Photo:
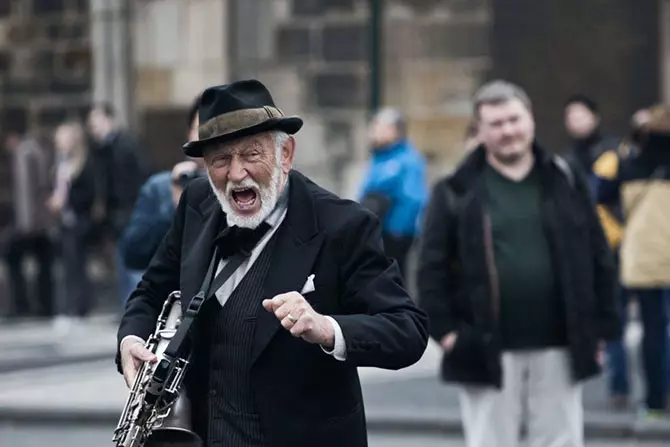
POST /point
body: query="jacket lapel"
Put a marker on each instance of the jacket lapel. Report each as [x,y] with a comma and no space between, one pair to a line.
[200,255]
[296,248]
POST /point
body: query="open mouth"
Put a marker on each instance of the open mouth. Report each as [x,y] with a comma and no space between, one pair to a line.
[244,198]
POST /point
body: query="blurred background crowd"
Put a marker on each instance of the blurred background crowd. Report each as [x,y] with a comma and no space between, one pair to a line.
[98,96]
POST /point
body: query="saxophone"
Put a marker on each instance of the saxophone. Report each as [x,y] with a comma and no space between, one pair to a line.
[156,411]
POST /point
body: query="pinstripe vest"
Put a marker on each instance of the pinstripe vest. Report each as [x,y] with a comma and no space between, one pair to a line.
[233,421]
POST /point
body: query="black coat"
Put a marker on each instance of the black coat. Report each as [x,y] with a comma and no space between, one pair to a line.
[457,285]
[81,194]
[121,169]
[303,396]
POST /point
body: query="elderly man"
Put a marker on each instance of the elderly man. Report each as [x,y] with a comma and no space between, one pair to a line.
[276,348]
[517,279]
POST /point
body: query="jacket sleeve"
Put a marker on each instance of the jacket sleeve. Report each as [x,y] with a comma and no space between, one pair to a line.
[160,279]
[434,265]
[606,171]
[413,196]
[129,175]
[610,323]
[82,193]
[144,231]
[382,326]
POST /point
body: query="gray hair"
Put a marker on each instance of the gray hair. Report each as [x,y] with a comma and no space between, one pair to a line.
[280,138]
[499,92]
[395,118]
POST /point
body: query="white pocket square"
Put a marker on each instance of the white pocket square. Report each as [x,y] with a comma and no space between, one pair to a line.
[309,285]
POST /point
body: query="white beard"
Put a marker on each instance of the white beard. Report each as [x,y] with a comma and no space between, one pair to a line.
[267,195]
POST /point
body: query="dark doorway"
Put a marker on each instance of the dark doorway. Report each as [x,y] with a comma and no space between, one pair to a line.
[607,49]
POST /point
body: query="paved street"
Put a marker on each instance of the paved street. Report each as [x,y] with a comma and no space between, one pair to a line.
[85,398]
[32,343]
[100,436]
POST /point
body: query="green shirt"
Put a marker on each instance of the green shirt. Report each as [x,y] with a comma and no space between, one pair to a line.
[532,314]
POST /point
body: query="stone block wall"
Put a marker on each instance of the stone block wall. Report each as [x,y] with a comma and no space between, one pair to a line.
[314,56]
[45,59]
[435,53]
[608,49]
[45,69]
[179,48]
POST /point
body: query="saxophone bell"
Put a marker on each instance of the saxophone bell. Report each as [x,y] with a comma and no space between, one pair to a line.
[158,413]
[175,428]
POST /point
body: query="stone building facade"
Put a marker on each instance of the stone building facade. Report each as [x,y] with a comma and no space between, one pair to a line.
[314,55]
[45,68]
[610,50]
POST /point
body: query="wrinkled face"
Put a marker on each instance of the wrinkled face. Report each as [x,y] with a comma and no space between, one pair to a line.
[507,130]
[580,122]
[99,124]
[247,176]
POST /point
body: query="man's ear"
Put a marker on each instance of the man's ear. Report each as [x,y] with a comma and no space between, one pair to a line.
[287,154]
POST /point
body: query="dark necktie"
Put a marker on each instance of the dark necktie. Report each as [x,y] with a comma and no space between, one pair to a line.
[232,240]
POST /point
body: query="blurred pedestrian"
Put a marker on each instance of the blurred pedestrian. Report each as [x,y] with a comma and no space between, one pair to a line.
[121,169]
[642,183]
[590,146]
[71,203]
[153,211]
[583,124]
[395,186]
[152,216]
[29,233]
[517,279]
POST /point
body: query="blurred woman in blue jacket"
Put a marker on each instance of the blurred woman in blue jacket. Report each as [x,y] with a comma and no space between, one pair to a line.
[395,185]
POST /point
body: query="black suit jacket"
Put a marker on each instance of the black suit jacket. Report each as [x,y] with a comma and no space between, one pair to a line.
[304,396]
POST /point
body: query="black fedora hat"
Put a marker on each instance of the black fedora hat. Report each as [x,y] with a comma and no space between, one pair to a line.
[231,111]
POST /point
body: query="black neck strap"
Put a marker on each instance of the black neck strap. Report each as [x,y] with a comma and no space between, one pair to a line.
[209,287]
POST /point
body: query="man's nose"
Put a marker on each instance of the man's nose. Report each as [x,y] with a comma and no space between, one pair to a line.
[508,129]
[237,171]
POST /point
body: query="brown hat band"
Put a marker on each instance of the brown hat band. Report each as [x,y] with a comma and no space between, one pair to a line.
[237,120]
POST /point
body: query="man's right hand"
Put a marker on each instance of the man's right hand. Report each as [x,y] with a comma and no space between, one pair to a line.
[133,354]
[448,341]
